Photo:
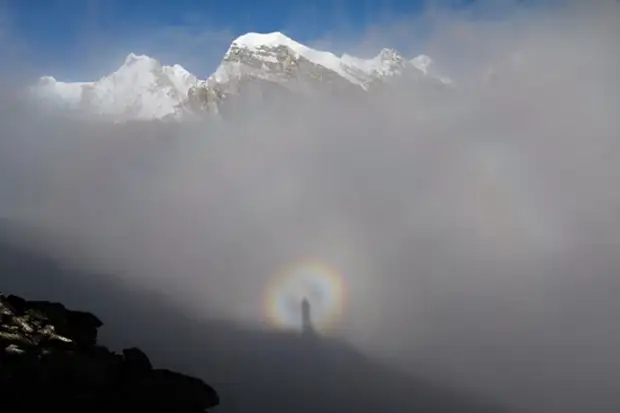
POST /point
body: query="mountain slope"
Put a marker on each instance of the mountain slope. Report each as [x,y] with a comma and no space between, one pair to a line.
[140,89]
[259,61]
[259,54]
[257,66]
[270,49]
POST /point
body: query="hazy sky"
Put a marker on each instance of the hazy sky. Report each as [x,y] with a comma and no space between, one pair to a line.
[476,230]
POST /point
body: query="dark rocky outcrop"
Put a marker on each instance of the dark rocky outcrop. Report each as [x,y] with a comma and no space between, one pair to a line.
[49,358]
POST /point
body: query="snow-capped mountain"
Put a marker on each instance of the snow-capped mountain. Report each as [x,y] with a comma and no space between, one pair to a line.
[268,55]
[140,89]
[262,61]
[256,64]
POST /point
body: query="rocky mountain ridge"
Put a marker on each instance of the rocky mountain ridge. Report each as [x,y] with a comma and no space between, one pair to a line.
[255,65]
[49,358]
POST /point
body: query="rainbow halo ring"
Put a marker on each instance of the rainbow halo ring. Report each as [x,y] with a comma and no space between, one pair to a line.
[320,284]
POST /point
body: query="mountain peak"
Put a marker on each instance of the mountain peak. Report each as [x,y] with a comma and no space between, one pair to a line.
[46,80]
[144,88]
[388,54]
[253,40]
[258,45]
[133,58]
[422,63]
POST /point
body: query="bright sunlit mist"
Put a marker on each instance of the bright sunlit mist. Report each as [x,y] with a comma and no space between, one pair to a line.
[320,284]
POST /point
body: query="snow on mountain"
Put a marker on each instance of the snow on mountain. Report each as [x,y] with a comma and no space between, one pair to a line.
[181,78]
[68,93]
[259,61]
[266,48]
[425,64]
[257,42]
[140,89]
[386,63]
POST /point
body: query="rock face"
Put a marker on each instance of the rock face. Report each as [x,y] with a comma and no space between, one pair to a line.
[273,63]
[49,358]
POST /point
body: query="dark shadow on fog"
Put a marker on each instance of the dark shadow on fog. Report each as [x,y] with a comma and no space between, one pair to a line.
[253,370]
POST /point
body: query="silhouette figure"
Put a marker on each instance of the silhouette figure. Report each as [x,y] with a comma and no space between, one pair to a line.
[306,318]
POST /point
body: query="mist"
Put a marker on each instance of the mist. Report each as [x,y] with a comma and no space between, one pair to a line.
[476,228]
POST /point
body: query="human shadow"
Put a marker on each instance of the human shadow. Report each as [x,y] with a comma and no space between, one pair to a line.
[253,370]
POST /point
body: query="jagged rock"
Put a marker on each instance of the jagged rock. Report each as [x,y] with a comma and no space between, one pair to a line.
[255,77]
[49,358]
[282,68]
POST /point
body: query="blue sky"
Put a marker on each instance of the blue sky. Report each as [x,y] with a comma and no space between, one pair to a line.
[85,39]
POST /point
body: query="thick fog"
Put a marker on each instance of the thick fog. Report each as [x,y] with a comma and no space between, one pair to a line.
[476,227]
